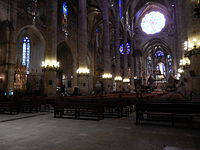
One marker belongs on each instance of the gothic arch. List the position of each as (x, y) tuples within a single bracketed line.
[(33, 81), (66, 58), (149, 46), (37, 47), (149, 7)]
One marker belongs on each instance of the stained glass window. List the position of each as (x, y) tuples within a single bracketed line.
[(169, 59), (128, 49), (65, 8), (120, 9), (26, 52), (65, 11), (153, 22), (159, 53), (161, 68), (149, 63)]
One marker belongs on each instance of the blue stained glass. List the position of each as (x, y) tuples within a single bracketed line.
[(159, 54), (97, 30), (26, 52), (120, 8), (128, 48), (169, 62), (65, 8)]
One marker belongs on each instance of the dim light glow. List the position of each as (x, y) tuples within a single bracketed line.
[(180, 70), (118, 78), (50, 63), (83, 70), (107, 76), (185, 61), (153, 22), (126, 80)]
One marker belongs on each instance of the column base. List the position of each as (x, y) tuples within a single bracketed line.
[(50, 83), (126, 87), (118, 86), (83, 85), (107, 86)]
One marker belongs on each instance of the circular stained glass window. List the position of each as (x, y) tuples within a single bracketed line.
[(128, 48), (153, 22)]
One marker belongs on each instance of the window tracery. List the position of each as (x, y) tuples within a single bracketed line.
[(26, 48)]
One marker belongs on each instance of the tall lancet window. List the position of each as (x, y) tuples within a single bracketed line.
[(26, 52), (120, 9), (169, 57), (149, 64), (65, 12)]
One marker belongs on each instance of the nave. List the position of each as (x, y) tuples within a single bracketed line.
[(42, 131)]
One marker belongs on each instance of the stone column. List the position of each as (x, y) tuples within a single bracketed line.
[(132, 89), (83, 79), (9, 47), (10, 57), (117, 45), (125, 56), (106, 46), (51, 47)]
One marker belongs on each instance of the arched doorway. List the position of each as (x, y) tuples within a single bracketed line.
[(65, 75), (28, 72)]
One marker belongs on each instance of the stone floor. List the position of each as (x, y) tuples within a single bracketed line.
[(41, 131)]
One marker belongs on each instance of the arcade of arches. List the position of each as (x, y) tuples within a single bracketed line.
[(98, 46)]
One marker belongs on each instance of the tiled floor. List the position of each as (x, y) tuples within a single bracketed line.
[(43, 132)]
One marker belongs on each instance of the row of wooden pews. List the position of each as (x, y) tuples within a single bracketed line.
[(15, 104), (169, 107), (95, 107), (98, 106)]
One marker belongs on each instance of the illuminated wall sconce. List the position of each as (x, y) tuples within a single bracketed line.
[(83, 71), (185, 62), (178, 76), (118, 78), (180, 70), (126, 80), (107, 76), (50, 65)]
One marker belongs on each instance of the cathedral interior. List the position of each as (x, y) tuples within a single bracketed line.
[(129, 58), (98, 46)]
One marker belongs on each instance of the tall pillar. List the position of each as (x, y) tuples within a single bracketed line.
[(118, 77), (126, 78), (106, 48), (51, 48), (9, 47), (132, 90), (83, 69), (9, 61)]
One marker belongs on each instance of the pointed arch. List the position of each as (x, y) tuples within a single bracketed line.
[(35, 46)]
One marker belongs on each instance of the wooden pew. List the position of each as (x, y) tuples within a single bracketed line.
[(168, 109), (8, 105), (81, 107)]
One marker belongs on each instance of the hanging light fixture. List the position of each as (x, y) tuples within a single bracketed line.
[(50, 65), (32, 9), (118, 78), (107, 76), (83, 71)]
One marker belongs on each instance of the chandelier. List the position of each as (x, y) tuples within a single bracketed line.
[(50, 65), (118, 78), (83, 71), (107, 76), (32, 9)]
